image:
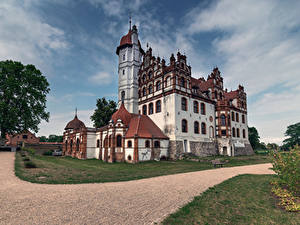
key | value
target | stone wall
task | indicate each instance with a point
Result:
(41, 148)
(203, 149)
(247, 150)
(175, 149)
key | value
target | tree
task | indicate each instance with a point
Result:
(23, 91)
(272, 146)
(103, 112)
(253, 137)
(293, 134)
(51, 138)
(43, 139)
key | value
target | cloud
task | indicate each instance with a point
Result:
(101, 78)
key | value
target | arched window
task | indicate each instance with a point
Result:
(158, 106)
(122, 96)
(223, 120)
(150, 75)
(196, 127)
(183, 104)
(144, 91)
(144, 78)
(156, 144)
(168, 81)
(123, 72)
(184, 126)
(129, 144)
(244, 133)
(203, 108)
(144, 109)
(77, 144)
(232, 116)
(119, 141)
(237, 132)
(71, 145)
(158, 85)
(237, 118)
(182, 82)
(203, 128)
(98, 143)
(150, 108)
(196, 107)
(150, 89)
(233, 132)
(243, 118)
(147, 144)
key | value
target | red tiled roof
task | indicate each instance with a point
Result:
(231, 94)
(122, 114)
(75, 124)
(202, 85)
(126, 39)
(143, 127)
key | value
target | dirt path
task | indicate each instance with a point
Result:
(134, 202)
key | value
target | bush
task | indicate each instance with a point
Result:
(47, 153)
(29, 150)
(30, 164)
(26, 159)
(287, 167)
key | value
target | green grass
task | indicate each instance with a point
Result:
(245, 199)
(66, 170)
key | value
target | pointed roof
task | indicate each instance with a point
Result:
(122, 114)
(75, 123)
(143, 127)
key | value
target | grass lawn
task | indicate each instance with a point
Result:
(245, 199)
(66, 170)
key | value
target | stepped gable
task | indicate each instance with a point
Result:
(75, 124)
(231, 95)
(143, 127)
(122, 114)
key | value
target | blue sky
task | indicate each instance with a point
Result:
(254, 43)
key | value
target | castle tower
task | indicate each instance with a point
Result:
(130, 57)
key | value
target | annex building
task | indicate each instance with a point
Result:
(163, 111)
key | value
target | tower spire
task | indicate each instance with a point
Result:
(129, 20)
(76, 112)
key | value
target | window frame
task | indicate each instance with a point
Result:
(184, 126)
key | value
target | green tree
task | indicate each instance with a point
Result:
(103, 112)
(253, 137)
(23, 91)
(55, 138)
(293, 134)
(43, 139)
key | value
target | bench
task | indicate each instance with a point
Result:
(217, 162)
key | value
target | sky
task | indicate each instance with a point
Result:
(73, 42)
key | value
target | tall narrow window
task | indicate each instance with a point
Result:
(129, 144)
(150, 75)
(244, 133)
(77, 144)
(98, 143)
(123, 72)
(237, 117)
(144, 78)
(243, 118)
(144, 91)
(183, 104)
(156, 144)
(223, 120)
(182, 82)
(150, 89)
(196, 107)
(122, 96)
(71, 145)
(203, 109)
(233, 132)
(158, 85)
(232, 116)
(184, 127)
(147, 144)
(158, 106)
(216, 95)
(237, 132)
(168, 81)
(203, 128)
(119, 141)
(66, 145)
(144, 109)
(150, 108)
(124, 57)
(196, 127)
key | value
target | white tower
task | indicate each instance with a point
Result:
(130, 57)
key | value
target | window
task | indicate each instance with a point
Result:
(223, 120)
(228, 120)
(144, 110)
(158, 85)
(183, 104)
(237, 117)
(66, 145)
(150, 89)
(203, 128)
(144, 91)
(184, 127)
(71, 145)
(233, 132)
(216, 95)
(237, 132)
(232, 116)
(98, 143)
(124, 57)
(196, 127)
(182, 82)
(150, 108)
(244, 133)
(150, 75)
(158, 106)
(119, 141)
(223, 132)
(196, 107)
(25, 136)
(156, 144)
(168, 81)
(202, 108)
(144, 78)
(129, 144)
(123, 72)
(122, 96)
(243, 118)
(147, 144)
(77, 144)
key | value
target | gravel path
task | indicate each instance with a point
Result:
(133, 202)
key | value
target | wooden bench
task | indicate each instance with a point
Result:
(217, 162)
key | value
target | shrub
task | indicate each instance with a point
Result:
(29, 150)
(287, 167)
(26, 159)
(47, 153)
(30, 164)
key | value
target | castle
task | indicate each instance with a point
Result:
(163, 112)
